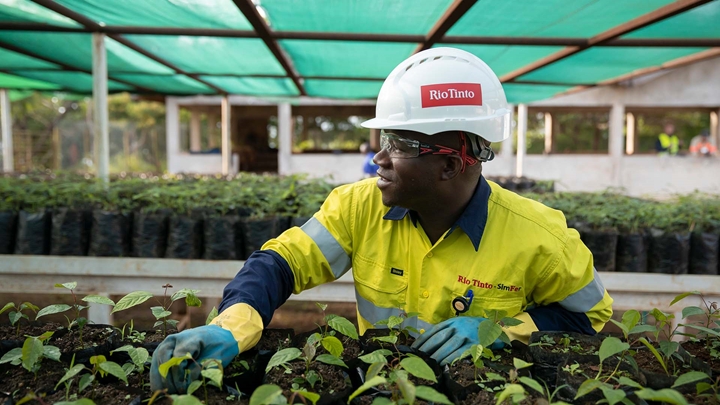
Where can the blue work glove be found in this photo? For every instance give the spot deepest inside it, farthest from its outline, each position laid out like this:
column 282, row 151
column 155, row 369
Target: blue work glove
column 449, row 339
column 204, row 342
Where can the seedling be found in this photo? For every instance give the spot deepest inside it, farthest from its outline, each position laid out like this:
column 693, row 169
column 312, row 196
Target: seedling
column 33, row 351
column 132, row 335
column 394, row 332
column 310, row 377
column 336, row 323
column 17, row 313
column 100, row 367
column 710, row 329
column 76, row 307
column 161, row 312
column 138, row 357
column 270, row 394
column 394, row 376
column 211, row 373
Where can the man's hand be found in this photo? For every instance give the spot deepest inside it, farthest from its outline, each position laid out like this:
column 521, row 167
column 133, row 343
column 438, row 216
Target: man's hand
column 449, row 339
column 205, row 342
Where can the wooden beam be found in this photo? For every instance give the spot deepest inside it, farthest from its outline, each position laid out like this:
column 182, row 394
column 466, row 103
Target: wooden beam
column 453, row 13
column 263, row 31
column 95, row 27
column 675, row 63
column 611, row 34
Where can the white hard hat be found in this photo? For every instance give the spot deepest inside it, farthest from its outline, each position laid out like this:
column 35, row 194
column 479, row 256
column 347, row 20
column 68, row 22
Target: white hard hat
column 443, row 89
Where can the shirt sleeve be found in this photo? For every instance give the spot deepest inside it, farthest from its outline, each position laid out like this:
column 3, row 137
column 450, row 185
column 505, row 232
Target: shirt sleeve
column 569, row 295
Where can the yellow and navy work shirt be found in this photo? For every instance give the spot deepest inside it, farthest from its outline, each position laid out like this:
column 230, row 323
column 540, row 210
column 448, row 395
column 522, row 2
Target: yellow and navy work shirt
column 515, row 254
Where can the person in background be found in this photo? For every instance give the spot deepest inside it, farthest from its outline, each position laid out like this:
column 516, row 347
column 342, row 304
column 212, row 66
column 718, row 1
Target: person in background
column 667, row 142
column 369, row 167
column 703, row 147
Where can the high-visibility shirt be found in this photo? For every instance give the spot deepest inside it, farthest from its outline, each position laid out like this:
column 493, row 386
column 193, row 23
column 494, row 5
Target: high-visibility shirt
column 669, row 143
column 516, row 255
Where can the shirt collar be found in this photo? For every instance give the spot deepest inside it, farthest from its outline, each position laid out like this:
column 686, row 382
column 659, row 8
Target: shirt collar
column 472, row 221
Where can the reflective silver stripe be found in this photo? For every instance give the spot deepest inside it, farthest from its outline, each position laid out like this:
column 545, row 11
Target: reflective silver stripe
column 334, row 253
column 587, row 297
column 373, row 313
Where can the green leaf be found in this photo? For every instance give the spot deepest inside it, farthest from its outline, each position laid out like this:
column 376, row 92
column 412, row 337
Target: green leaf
column 160, row 312
column 51, row 352
column 631, row 318
column 532, row 384
column 332, row 345
column 374, row 369
column 588, row 386
column 138, row 355
column 407, row 389
column 7, row 306
column 311, row 396
column 378, row 356
column 417, row 367
column 267, row 394
column 114, row 369
column 394, row 321
column 81, row 401
column 131, row 300
column 215, row 375
column 690, row 311
column 344, row 326
column 629, row 382
column 13, row 357
column 212, row 315
column 611, row 346
column 283, row 356
column 664, row 395
column 683, row 295
column 193, row 301
column 53, row 309
column 613, row 396
column 622, row 327
column 45, row 336
column 392, row 339
column 510, row 390
column 383, row 401
column 703, row 329
column 508, row 321
column 70, row 374
column 642, row 329
column 183, row 294
column 330, row 359
column 690, row 377
column 165, row 367
column 520, row 364
column 429, row 394
column 488, row 332
column 85, row 381
column 32, row 306
column 322, row 307
column 185, row 400
column 14, row 317
column 99, row 299
column 654, row 352
column 69, row 286
column 172, row 322
column 194, row 386
column 372, row 382
column 32, row 350
column 702, row 387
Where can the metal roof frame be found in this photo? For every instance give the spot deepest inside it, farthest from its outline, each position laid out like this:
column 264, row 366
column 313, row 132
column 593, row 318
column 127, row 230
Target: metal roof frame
column 608, row 38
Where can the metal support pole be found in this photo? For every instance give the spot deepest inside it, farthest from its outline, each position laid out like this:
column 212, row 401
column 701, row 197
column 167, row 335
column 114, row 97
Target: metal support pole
column 195, row 145
column 226, row 146
column 284, row 137
column 548, row 133
column 100, row 110
column 615, row 143
column 172, row 134
column 715, row 127
column 630, row 131
column 6, row 129
column 522, row 133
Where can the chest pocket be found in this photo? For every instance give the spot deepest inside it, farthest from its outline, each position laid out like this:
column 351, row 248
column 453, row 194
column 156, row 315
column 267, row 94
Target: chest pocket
column 376, row 283
column 511, row 305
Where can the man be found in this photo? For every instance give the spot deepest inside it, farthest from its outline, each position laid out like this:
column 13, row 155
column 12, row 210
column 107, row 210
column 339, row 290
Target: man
column 426, row 232
column 703, row 147
column 667, row 142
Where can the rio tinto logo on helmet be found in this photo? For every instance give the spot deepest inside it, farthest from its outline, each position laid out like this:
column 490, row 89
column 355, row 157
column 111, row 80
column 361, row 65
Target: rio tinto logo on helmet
column 445, row 94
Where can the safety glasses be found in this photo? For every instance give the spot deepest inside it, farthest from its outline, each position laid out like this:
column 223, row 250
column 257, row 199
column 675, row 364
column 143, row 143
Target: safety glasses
column 403, row 148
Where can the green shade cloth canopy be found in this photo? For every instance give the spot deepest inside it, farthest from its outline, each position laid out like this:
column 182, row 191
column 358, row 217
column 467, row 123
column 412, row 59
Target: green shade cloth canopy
column 340, row 49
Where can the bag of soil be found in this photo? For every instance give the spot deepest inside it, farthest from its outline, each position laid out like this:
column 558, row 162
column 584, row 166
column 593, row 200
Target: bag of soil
column 255, row 232
column 669, row 252
column 8, row 230
column 33, row 233
column 603, row 246
column 222, row 239
column 149, row 234
column 281, row 224
column 110, row 234
column 185, row 237
column 70, row 234
column 631, row 253
column 300, row 221
column 704, row 253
